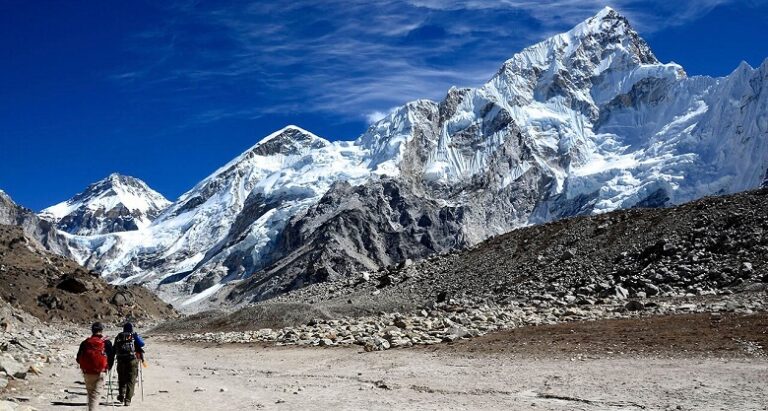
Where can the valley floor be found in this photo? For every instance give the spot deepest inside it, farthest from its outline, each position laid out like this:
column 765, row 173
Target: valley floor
column 689, row 362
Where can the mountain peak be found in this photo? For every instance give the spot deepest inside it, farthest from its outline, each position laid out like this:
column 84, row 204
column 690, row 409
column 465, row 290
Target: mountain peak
column 605, row 41
column 606, row 19
column 606, row 12
column 289, row 140
column 289, row 130
column 114, row 203
column 117, row 179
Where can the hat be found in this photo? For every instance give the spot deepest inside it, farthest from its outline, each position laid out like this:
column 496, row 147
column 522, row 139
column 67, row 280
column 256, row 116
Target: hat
column 97, row 327
column 127, row 328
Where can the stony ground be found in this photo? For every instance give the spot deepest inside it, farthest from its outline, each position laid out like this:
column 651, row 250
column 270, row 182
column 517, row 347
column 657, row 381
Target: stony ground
column 28, row 347
column 460, row 319
column 550, row 367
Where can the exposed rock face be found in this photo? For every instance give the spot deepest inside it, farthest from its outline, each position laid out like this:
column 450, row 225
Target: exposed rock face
column 36, row 229
column 114, row 204
column 585, row 122
column 357, row 228
column 716, row 245
column 290, row 142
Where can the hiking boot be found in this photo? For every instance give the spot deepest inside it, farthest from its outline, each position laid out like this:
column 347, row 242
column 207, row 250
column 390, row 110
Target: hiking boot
column 119, row 398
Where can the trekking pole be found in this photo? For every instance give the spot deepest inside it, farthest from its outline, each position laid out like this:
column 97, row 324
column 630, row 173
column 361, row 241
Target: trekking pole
column 109, row 389
column 141, row 379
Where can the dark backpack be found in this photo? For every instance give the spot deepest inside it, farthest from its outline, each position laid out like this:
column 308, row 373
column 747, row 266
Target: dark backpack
column 125, row 347
column 93, row 358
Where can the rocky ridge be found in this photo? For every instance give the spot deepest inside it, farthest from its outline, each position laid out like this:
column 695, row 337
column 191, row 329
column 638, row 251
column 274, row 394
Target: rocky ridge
column 42, row 232
column 705, row 247
column 706, row 256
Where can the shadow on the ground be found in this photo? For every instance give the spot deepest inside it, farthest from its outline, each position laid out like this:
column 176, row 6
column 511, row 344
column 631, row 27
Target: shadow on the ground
column 69, row 404
column 80, row 404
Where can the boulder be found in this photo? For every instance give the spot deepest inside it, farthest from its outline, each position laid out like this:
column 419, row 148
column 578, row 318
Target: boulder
column 451, row 338
column 74, row 285
column 377, row 344
column 461, row 332
column 49, row 301
column 618, row 292
column 634, row 305
column 13, row 367
column 122, row 298
column 651, row 290
column 403, row 323
column 568, row 254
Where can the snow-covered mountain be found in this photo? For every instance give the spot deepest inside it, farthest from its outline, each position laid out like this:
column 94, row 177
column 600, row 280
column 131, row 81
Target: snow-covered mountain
column 116, row 203
column 584, row 122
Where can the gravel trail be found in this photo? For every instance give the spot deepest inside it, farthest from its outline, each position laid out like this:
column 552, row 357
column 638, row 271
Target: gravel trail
column 457, row 376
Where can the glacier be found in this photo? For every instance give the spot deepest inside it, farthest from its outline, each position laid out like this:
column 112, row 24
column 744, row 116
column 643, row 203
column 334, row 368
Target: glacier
column 587, row 121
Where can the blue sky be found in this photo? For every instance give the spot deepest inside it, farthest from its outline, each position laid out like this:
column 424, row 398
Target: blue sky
column 170, row 91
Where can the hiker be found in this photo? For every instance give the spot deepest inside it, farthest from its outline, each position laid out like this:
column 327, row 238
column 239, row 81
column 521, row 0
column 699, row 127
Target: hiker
column 129, row 349
column 95, row 357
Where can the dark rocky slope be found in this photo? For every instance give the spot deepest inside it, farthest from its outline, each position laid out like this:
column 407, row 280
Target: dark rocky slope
column 713, row 245
column 41, row 231
column 51, row 287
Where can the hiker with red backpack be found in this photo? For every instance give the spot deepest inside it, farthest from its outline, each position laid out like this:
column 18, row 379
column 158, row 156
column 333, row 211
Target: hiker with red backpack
column 129, row 350
column 95, row 357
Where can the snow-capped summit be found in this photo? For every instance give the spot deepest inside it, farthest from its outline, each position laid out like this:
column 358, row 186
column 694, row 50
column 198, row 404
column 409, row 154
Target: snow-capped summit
column 116, row 203
column 291, row 140
column 231, row 217
column 587, row 121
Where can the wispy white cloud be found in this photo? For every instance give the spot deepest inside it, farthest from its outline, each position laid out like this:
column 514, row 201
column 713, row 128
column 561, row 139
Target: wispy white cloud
column 375, row 116
column 355, row 58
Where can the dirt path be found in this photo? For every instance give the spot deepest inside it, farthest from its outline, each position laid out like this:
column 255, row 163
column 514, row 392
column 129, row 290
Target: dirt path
column 295, row 378
column 688, row 362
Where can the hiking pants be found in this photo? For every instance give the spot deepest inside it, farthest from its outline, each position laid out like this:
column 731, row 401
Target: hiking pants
column 127, row 371
column 93, row 386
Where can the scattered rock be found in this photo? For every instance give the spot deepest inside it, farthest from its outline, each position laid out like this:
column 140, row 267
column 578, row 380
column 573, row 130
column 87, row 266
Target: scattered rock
column 377, row 344
column 381, row 384
column 12, row 367
column 634, row 305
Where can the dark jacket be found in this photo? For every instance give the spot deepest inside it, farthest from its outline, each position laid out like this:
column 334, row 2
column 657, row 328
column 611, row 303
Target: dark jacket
column 138, row 343
column 108, row 348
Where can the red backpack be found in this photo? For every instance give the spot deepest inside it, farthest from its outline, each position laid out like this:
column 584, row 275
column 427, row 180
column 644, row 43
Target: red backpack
column 93, row 358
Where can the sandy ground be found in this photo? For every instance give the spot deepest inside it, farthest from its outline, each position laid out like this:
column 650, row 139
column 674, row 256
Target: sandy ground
column 476, row 374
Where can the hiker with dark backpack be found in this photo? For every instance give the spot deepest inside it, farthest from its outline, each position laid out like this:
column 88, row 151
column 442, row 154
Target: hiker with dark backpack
column 129, row 349
column 95, row 357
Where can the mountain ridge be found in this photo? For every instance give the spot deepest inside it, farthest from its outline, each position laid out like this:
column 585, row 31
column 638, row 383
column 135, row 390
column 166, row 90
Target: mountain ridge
column 585, row 122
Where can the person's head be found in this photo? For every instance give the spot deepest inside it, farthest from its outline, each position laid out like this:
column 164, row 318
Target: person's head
column 127, row 328
column 97, row 328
